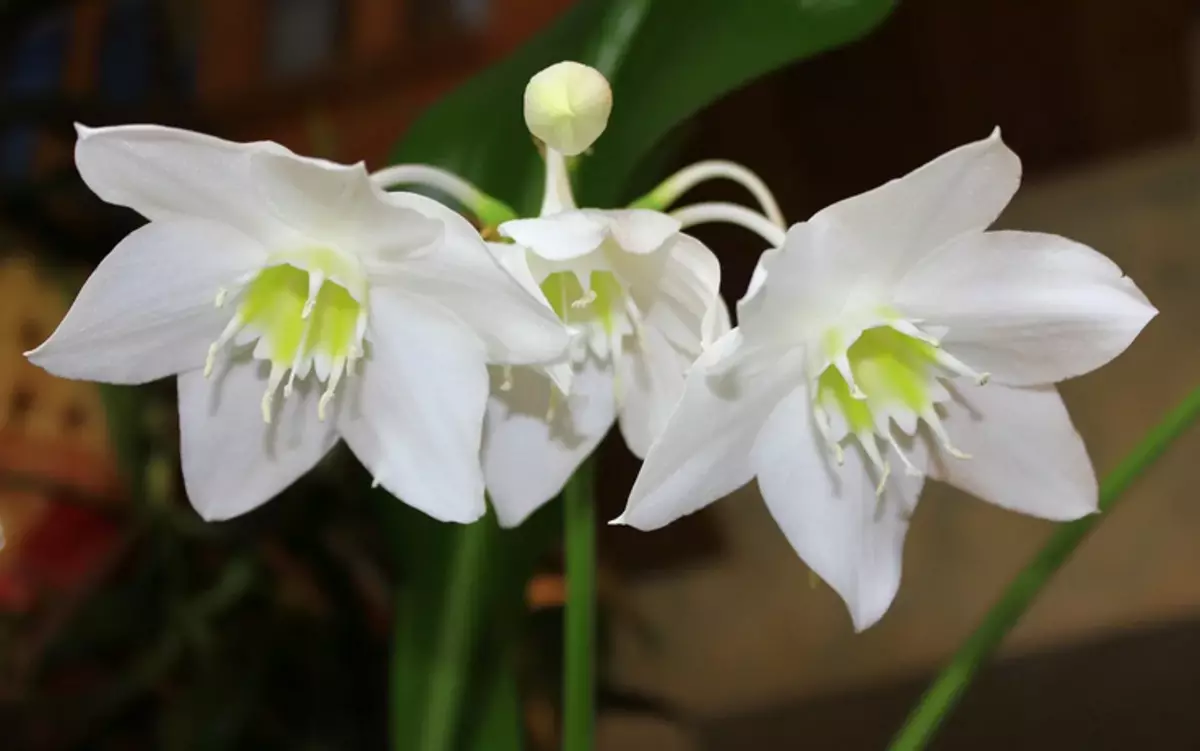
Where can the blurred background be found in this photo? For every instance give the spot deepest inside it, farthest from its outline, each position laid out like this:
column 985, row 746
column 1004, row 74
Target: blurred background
column 127, row 623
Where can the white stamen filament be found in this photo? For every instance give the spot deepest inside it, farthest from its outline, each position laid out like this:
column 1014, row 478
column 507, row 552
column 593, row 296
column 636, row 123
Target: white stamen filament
column 231, row 329
column 842, row 363
column 507, row 383
column 958, row 367
column 689, row 177
column 821, row 418
column 910, row 330
column 909, row 468
column 731, row 213
column 316, row 278
column 335, row 377
column 273, row 381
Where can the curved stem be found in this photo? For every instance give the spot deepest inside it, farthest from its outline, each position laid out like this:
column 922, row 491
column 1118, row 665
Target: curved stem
column 488, row 210
column 673, row 188
column 948, row 688
column 731, row 213
column 558, row 195
column 579, row 658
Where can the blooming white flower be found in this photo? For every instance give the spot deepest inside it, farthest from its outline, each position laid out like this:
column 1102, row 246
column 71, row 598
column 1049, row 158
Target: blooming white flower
column 298, row 303
column 891, row 338
column 643, row 299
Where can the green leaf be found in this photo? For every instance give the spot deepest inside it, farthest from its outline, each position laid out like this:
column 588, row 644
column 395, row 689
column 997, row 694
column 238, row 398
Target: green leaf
column 666, row 59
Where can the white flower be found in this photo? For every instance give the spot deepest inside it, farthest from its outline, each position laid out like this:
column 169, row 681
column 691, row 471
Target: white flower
column 285, row 290
column 644, row 300
column 859, row 368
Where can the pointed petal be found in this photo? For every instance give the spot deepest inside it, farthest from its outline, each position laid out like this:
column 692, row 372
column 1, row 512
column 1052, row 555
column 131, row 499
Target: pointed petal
column 704, row 451
column 527, row 459
column 167, row 173
column 462, row 276
column 415, row 415
column 677, row 292
column 851, row 254
column 844, row 532
column 148, row 309
column 1027, row 308
column 340, row 206
column 558, row 237
column 650, row 384
column 896, row 224
column 639, row 231
column 232, row 460
column 1026, row 454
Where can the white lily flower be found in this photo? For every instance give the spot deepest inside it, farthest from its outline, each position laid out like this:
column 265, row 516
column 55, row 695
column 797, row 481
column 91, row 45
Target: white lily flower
column 644, row 300
column 642, row 297
column 889, row 339
column 299, row 304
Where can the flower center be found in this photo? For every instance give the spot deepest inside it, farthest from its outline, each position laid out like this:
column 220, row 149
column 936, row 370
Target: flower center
column 601, row 310
column 888, row 376
column 304, row 319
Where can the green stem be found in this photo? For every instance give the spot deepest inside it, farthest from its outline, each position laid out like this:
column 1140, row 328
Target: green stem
column 579, row 703
column 950, row 685
column 449, row 661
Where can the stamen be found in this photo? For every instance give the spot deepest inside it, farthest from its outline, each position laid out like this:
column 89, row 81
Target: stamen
column 887, row 472
column 842, row 363
column 821, row 418
column 301, row 353
column 958, row 367
column 867, row 439
column 273, row 380
column 222, row 295
column 507, row 383
column 335, row 377
column 909, row 468
column 910, row 330
column 231, row 330
column 588, row 298
column 929, row 415
column 316, row 278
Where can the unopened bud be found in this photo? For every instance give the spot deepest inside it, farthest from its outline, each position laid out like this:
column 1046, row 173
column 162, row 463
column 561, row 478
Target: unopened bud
column 567, row 106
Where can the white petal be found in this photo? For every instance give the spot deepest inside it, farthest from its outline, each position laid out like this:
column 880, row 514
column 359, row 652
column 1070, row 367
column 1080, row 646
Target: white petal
column 526, row 459
column 1027, row 308
column 339, row 206
column 232, row 460
column 849, row 536
column 1025, row 453
column 847, row 258
column 558, row 237
column 650, row 385
column 148, row 309
column 704, row 451
column 677, row 292
column 461, row 275
column 639, row 231
column 414, row 417
column 166, row 173
column 894, row 225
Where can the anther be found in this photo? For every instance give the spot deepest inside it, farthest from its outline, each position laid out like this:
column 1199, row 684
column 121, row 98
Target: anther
column 507, row 383
column 222, row 295
column 821, row 418
column 588, row 298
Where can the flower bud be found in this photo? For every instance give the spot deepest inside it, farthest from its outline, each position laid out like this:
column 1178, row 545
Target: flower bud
column 567, row 106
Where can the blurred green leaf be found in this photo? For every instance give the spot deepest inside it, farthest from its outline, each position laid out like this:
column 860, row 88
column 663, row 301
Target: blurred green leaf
column 666, row 59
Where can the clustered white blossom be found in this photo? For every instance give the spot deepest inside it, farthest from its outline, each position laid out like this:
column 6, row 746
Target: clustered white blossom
column 887, row 339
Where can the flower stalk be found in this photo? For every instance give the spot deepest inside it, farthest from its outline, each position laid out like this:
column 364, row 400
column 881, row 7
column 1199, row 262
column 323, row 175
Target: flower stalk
column 579, row 656
column 941, row 697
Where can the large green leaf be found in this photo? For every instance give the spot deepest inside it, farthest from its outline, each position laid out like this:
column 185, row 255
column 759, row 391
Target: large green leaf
column 667, row 59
